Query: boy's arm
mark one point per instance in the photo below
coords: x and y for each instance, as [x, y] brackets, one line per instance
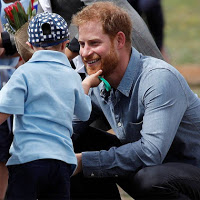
[3, 117]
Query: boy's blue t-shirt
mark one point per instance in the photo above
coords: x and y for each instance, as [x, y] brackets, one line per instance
[43, 94]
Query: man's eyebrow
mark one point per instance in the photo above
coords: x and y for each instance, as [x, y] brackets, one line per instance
[92, 39]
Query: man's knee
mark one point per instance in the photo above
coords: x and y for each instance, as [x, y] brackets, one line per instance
[145, 178]
[171, 180]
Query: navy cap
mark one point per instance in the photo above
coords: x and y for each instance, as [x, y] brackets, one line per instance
[47, 29]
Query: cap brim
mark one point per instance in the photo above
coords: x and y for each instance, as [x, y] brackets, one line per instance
[50, 43]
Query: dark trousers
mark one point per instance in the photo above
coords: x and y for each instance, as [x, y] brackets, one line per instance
[167, 181]
[39, 180]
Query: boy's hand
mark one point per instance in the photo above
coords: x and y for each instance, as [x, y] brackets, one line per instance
[91, 81]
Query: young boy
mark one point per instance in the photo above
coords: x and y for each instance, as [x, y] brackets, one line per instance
[43, 94]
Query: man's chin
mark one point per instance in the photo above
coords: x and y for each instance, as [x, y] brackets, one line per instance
[91, 71]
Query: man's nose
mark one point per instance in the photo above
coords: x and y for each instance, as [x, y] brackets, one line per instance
[85, 51]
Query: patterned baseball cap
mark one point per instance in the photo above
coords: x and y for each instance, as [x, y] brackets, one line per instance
[47, 29]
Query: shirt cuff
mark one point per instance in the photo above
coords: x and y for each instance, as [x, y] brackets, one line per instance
[91, 164]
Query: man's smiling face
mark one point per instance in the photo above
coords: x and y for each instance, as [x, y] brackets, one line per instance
[97, 49]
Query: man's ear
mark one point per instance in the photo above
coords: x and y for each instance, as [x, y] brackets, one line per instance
[121, 39]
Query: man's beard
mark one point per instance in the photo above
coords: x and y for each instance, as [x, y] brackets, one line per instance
[108, 63]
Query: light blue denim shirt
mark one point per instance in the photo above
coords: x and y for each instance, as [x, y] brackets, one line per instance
[155, 115]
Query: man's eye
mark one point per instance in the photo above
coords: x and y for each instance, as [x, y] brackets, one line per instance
[81, 44]
[94, 43]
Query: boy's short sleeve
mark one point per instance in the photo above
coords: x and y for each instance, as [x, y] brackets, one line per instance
[13, 95]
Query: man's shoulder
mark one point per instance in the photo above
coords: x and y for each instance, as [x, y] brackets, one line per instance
[150, 63]
[154, 69]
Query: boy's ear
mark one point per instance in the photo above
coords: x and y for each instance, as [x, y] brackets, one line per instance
[64, 44]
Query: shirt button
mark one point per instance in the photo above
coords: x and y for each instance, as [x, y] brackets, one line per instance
[119, 124]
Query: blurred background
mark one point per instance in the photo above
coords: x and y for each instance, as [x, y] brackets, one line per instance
[182, 31]
[182, 38]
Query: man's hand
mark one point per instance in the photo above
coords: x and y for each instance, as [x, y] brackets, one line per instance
[79, 161]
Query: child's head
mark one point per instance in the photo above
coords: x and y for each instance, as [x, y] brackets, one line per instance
[47, 29]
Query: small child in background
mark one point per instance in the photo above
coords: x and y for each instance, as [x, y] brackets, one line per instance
[43, 94]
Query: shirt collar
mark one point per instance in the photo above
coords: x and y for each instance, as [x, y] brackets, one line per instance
[131, 73]
[50, 56]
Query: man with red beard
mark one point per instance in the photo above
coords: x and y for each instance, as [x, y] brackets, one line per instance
[141, 37]
[155, 116]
